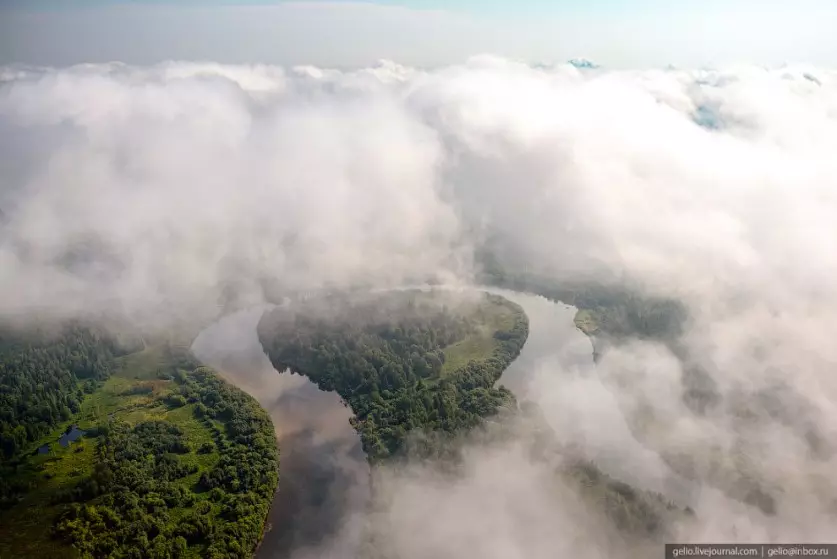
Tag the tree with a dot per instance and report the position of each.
(384, 354)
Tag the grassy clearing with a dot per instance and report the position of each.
(586, 321)
(490, 317)
(142, 365)
(130, 395)
(472, 348)
(25, 529)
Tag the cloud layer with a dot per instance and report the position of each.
(158, 191)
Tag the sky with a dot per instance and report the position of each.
(336, 33)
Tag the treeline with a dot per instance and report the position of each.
(618, 312)
(136, 502)
(384, 355)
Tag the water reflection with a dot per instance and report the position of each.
(324, 476)
(556, 371)
(323, 472)
(554, 343)
(70, 436)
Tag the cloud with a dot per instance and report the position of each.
(154, 191)
(161, 186)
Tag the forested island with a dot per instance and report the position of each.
(117, 451)
(416, 367)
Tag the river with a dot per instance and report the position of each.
(323, 471)
(324, 474)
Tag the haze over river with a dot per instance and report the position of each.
(323, 472)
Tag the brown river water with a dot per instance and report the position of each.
(324, 476)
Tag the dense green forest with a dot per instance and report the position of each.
(174, 462)
(405, 362)
(44, 377)
(45, 374)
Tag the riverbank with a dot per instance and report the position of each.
(325, 475)
(325, 480)
(154, 395)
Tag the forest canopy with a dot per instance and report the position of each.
(139, 500)
(404, 361)
(172, 460)
(44, 376)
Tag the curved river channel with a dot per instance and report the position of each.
(324, 474)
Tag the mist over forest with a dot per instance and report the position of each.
(165, 196)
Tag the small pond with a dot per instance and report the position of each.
(71, 436)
